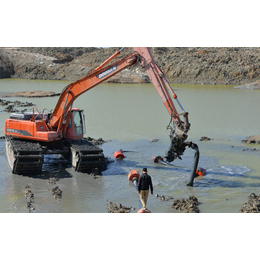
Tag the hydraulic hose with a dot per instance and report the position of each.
(195, 164)
(135, 182)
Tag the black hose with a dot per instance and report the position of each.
(195, 164)
(135, 182)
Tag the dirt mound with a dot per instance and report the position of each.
(189, 205)
(252, 205)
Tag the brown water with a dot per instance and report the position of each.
(130, 116)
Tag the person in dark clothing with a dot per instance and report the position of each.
(144, 182)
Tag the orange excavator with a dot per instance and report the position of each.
(31, 135)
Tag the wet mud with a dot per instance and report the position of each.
(95, 172)
(56, 192)
(29, 198)
(94, 141)
(53, 180)
(189, 205)
(251, 149)
(117, 208)
(205, 138)
(11, 106)
(252, 205)
(253, 139)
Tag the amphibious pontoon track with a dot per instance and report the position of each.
(25, 157)
(85, 156)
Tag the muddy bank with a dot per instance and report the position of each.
(32, 94)
(182, 65)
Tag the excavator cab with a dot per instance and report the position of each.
(76, 124)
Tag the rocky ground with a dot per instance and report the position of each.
(181, 65)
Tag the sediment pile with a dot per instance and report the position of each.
(189, 205)
(252, 205)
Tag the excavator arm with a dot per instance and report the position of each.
(178, 133)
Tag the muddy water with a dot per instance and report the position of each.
(130, 116)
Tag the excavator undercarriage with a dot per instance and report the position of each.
(27, 157)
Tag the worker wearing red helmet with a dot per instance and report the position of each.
(144, 182)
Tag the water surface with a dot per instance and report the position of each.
(130, 115)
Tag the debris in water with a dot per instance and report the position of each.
(252, 205)
(94, 141)
(162, 197)
(117, 208)
(205, 138)
(252, 149)
(189, 205)
(153, 140)
(53, 180)
(56, 192)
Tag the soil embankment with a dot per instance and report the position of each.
(181, 65)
